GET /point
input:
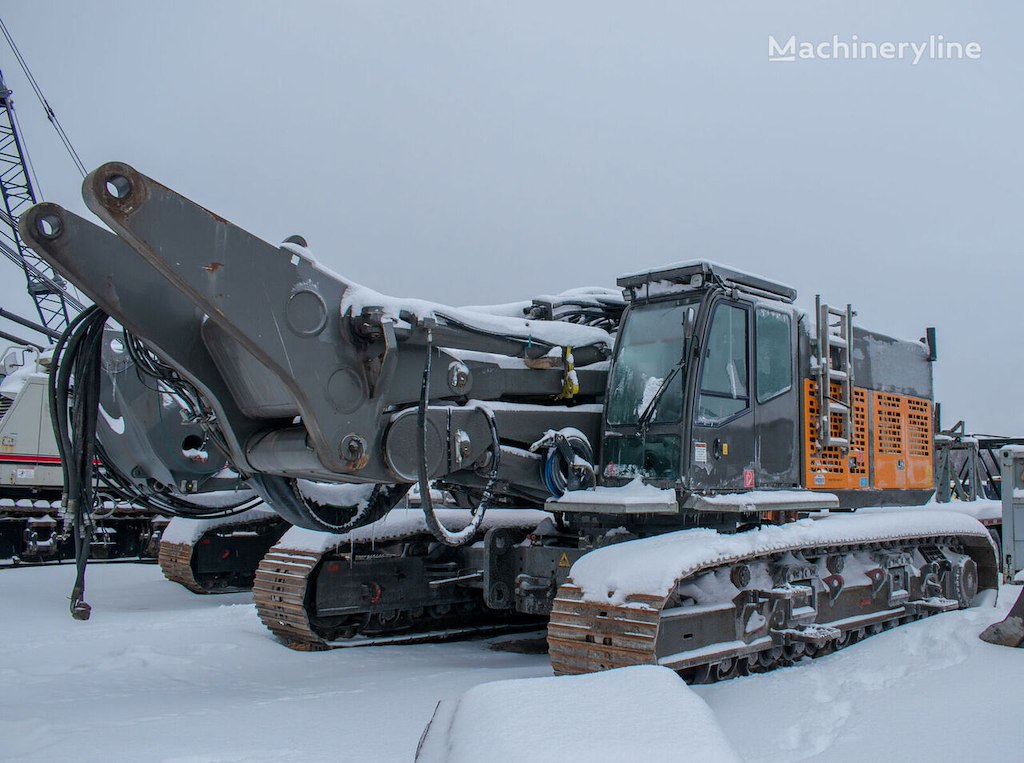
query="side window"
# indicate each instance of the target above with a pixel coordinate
(724, 381)
(774, 353)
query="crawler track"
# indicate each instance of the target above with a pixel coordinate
(586, 636)
(752, 613)
(635, 640)
(176, 563)
(285, 594)
(221, 560)
(279, 591)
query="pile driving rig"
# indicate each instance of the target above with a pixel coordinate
(719, 406)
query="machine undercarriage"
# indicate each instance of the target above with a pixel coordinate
(721, 616)
(381, 586)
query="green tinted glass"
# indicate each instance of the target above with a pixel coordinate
(653, 457)
(774, 354)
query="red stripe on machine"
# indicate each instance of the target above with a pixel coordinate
(18, 458)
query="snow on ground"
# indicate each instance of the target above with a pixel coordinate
(928, 691)
(161, 674)
(612, 707)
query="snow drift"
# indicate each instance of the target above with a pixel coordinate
(643, 712)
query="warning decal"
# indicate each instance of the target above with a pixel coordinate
(700, 452)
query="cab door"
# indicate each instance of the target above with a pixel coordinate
(722, 455)
(776, 398)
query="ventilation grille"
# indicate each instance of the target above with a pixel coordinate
(889, 424)
(832, 468)
(919, 429)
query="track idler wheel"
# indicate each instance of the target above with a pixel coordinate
(965, 581)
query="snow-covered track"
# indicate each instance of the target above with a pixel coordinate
(218, 556)
(711, 605)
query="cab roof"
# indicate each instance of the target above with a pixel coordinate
(686, 276)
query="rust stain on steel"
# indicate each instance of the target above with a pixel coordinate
(213, 267)
(356, 465)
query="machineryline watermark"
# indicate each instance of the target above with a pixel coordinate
(839, 48)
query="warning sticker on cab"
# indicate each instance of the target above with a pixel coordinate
(564, 561)
(700, 452)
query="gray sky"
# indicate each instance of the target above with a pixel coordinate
(470, 152)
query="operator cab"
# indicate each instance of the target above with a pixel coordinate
(702, 393)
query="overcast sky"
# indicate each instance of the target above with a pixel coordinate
(471, 152)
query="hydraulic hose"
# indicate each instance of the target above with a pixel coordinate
(562, 461)
(437, 529)
(77, 357)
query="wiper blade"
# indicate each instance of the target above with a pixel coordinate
(648, 412)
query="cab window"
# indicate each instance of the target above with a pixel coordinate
(724, 381)
(774, 353)
(649, 354)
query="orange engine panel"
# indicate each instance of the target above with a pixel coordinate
(831, 469)
(895, 452)
(902, 449)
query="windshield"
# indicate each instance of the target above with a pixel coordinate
(648, 350)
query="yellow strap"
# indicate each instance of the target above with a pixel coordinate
(570, 384)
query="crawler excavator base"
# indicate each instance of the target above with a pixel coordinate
(717, 605)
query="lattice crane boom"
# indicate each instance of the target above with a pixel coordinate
(44, 285)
